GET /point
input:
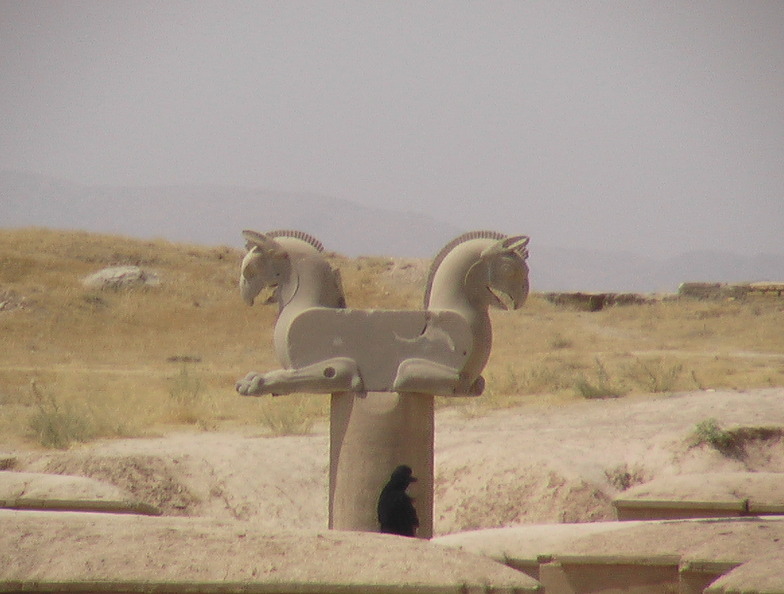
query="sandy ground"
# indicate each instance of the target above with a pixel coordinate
(533, 464)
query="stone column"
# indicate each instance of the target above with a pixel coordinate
(370, 435)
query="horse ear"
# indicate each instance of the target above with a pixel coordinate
(517, 244)
(256, 239)
(252, 238)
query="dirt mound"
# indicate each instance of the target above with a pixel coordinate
(44, 551)
(150, 479)
(519, 495)
(566, 463)
(271, 482)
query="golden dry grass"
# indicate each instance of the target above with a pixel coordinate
(116, 358)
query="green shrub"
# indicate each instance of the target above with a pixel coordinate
(731, 442)
(709, 432)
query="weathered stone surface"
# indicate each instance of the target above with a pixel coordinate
(763, 575)
(137, 553)
(121, 277)
(376, 432)
(704, 495)
(680, 537)
(687, 553)
(525, 547)
(729, 546)
(36, 491)
(655, 556)
(382, 368)
(379, 340)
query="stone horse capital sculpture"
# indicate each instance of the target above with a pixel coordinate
(382, 367)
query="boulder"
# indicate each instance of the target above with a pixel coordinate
(121, 277)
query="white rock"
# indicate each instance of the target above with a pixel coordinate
(118, 277)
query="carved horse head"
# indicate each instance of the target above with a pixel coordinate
(292, 263)
(477, 270)
(473, 272)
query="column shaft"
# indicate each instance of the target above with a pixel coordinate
(370, 435)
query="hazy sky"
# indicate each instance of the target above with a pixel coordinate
(656, 127)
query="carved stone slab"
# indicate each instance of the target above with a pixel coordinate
(720, 494)
(379, 340)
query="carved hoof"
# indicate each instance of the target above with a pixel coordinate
(251, 385)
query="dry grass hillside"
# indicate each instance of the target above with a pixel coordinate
(79, 363)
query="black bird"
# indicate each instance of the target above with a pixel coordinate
(396, 513)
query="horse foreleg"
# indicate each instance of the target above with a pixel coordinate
(340, 374)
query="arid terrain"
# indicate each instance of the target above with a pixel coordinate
(134, 387)
(531, 464)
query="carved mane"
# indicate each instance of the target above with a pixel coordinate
(439, 258)
(301, 235)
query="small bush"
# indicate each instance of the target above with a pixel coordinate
(558, 342)
(589, 390)
(709, 432)
(731, 442)
(57, 424)
(601, 388)
(540, 379)
(622, 477)
(656, 375)
(544, 377)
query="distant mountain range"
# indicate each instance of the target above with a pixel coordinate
(215, 215)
